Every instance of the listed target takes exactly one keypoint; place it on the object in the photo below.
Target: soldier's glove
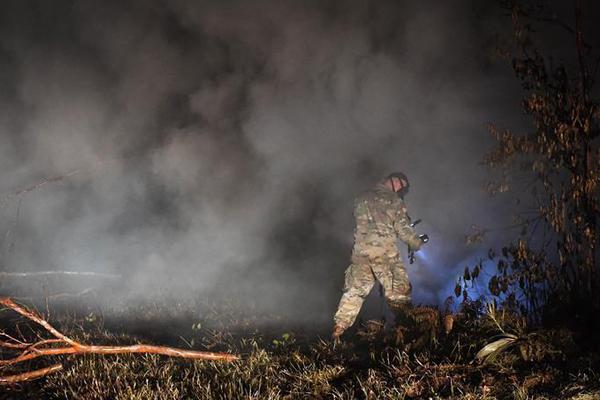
(415, 245)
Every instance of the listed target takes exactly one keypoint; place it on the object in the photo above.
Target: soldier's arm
(362, 216)
(405, 232)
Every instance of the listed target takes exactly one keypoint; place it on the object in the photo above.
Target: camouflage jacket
(381, 219)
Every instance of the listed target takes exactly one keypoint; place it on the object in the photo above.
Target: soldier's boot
(338, 331)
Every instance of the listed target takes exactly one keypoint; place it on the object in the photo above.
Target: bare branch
(49, 273)
(59, 178)
(55, 296)
(37, 185)
(27, 376)
(40, 348)
(10, 345)
(7, 302)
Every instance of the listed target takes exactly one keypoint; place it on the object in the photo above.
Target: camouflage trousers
(360, 277)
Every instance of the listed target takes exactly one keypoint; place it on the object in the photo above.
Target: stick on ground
(44, 347)
(30, 375)
(50, 273)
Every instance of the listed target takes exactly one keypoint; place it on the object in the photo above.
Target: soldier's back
(374, 213)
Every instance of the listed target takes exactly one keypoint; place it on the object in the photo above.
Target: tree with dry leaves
(550, 272)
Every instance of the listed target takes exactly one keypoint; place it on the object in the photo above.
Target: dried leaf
(493, 349)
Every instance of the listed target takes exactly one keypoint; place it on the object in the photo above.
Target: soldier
(381, 220)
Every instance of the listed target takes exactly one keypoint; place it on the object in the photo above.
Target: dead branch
(11, 345)
(49, 273)
(55, 296)
(45, 181)
(35, 351)
(27, 376)
(6, 198)
(7, 302)
(42, 348)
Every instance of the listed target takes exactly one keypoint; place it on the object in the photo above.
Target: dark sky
(219, 144)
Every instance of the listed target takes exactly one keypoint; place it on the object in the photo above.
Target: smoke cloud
(216, 146)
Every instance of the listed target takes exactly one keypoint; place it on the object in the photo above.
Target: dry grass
(366, 365)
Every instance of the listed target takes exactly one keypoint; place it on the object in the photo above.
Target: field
(282, 361)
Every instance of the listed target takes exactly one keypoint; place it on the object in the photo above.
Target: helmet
(402, 177)
(398, 175)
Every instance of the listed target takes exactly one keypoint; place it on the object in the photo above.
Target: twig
(27, 376)
(35, 350)
(7, 302)
(59, 178)
(132, 349)
(45, 181)
(15, 340)
(6, 198)
(47, 273)
(55, 296)
(10, 345)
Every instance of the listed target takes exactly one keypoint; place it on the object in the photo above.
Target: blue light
(422, 255)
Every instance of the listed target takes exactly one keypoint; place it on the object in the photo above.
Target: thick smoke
(216, 146)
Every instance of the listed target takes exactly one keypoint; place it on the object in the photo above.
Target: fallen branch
(6, 198)
(27, 376)
(48, 273)
(35, 352)
(45, 181)
(55, 296)
(44, 347)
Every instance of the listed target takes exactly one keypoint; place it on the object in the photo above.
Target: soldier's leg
(396, 286)
(400, 294)
(359, 281)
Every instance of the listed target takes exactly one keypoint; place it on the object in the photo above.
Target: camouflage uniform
(381, 220)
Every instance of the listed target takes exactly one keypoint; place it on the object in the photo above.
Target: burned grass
(369, 363)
